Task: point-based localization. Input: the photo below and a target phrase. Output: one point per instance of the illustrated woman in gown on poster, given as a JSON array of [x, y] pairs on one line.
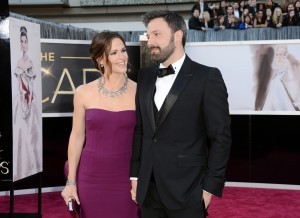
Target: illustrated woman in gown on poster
[[99, 149], [281, 92], [26, 120]]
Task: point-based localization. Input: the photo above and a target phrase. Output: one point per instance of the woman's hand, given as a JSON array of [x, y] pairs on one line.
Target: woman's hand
[[70, 191]]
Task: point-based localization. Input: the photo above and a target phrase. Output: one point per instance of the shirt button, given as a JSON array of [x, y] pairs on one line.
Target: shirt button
[[155, 140]]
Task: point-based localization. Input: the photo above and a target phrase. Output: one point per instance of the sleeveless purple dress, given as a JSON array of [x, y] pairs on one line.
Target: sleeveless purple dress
[[103, 172]]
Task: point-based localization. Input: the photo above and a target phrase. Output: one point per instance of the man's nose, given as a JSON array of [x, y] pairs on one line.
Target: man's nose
[[150, 41]]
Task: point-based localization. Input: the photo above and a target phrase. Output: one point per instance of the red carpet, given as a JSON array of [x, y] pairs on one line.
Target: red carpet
[[236, 203]]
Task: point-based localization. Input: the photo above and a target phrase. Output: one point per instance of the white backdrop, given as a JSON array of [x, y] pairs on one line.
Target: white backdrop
[[236, 61]]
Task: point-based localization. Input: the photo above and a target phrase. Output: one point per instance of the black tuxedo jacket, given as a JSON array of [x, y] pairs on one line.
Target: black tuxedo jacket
[[188, 148]]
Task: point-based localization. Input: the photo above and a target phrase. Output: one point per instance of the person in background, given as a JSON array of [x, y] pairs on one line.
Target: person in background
[[194, 21], [271, 4], [182, 137], [206, 21], [297, 12], [202, 6], [100, 149], [245, 13], [219, 25], [252, 7], [284, 5], [277, 18], [236, 10], [290, 7], [269, 17], [214, 8], [251, 16], [297, 8], [246, 24], [290, 19], [261, 7], [242, 6], [222, 9], [230, 21], [260, 20]]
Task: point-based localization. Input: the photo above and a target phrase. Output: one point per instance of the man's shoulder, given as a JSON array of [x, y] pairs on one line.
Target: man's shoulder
[[200, 66]]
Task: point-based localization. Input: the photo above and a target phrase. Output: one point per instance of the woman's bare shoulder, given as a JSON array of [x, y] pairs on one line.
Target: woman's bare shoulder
[[131, 83]]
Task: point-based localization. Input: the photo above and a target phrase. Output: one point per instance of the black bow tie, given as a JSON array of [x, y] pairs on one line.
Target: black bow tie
[[165, 71]]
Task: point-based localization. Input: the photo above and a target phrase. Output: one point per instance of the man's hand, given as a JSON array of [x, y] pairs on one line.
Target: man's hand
[[133, 190], [207, 198]]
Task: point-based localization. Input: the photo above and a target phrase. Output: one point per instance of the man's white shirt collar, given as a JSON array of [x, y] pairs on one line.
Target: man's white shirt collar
[[164, 84]]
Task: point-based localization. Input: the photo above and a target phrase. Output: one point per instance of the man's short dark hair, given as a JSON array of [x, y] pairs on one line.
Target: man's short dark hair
[[173, 19]]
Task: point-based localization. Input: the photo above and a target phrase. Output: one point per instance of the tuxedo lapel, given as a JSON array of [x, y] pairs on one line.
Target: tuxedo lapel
[[149, 96], [183, 77]]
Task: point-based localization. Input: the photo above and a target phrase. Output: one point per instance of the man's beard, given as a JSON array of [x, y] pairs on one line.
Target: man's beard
[[164, 53]]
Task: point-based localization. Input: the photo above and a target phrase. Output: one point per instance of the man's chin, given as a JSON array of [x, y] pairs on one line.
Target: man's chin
[[155, 58]]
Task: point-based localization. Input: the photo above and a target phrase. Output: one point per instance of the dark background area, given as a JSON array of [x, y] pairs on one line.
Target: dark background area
[[265, 149]]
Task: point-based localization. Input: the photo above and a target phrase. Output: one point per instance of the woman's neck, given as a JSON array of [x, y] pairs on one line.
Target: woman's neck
[[114, 81]]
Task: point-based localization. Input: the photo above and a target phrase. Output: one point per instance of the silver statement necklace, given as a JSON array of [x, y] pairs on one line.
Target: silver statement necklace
[[111, 94]]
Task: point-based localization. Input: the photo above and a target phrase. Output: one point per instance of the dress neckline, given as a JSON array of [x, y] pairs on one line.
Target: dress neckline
[[109, 110]]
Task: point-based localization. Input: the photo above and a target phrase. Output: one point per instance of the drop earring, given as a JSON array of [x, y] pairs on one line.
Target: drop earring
[[102, 68]]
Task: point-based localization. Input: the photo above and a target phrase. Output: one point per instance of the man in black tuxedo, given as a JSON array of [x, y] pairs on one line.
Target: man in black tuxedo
[[182, 137]]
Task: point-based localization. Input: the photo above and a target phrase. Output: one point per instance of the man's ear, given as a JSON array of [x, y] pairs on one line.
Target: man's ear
[[178, 35]]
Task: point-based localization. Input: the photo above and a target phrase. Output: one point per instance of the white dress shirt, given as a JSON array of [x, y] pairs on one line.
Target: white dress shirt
[[164, 84]]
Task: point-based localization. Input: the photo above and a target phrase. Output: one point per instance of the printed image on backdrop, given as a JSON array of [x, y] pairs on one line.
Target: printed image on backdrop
[[26, 98], [66, 64], [260, 78]]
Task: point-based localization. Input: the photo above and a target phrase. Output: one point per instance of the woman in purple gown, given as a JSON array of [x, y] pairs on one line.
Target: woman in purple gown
[[99, 149]]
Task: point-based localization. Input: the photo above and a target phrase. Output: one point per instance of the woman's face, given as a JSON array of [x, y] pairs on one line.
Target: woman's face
[[24, 43], [223, 4], [260, 14], [247, 20], [297, 5], [118, 57], [281, 53], [269, 2], [278, 12], [269, 12], [246, 11], [290, 7], [222, 20]]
